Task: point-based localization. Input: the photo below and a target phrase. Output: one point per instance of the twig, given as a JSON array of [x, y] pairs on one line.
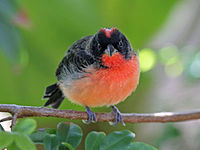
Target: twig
[[14, 120], [28, 111]]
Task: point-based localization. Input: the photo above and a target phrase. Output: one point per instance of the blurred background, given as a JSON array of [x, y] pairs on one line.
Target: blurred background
[[34, 36]]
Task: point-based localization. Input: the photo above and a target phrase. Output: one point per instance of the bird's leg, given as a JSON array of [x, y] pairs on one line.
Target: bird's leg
[[91, 115], [118, 116]]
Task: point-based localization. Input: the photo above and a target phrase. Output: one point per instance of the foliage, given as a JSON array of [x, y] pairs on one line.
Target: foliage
[[19, 137], [67, 136]]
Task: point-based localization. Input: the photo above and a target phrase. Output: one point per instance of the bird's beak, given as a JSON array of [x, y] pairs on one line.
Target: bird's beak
[[110, 50]]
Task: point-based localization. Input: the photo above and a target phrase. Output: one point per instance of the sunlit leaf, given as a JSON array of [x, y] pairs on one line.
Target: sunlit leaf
[[6, 139], [23, 142], [13, 146], [26, 126]]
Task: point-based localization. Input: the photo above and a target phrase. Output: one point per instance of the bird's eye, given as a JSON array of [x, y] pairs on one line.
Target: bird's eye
[[120, 44], [99, 46]]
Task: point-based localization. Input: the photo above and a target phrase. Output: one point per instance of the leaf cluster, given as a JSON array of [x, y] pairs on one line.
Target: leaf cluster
[[67, 136]]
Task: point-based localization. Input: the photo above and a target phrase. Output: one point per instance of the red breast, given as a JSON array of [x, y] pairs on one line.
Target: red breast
[[106, 86]]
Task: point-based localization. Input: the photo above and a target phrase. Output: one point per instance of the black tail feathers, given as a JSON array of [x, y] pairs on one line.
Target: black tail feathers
[[54, 96]]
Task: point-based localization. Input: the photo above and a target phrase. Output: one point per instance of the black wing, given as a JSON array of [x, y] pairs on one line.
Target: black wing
[[76, 60]]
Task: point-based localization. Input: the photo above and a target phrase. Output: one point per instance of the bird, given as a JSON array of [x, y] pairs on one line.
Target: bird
[[97, 70]]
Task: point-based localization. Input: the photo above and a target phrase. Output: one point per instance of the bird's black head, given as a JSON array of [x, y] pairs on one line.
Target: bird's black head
[[110, 41]]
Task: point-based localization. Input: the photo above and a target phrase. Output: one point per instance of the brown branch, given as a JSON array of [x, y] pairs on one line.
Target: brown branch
[[28, 111]]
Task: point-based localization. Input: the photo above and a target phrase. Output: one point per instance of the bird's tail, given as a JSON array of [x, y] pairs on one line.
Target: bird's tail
[[54, 96]]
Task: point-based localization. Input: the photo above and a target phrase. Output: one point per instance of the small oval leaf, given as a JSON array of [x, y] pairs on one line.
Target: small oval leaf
[[37, 137], [117, 140], [69, 133], [51, 142], [26, 126], [23, 142], [140, 146], [93, 140], [6, 139]]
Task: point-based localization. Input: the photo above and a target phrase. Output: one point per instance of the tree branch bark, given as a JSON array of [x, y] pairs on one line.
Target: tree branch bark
[[163, 117]]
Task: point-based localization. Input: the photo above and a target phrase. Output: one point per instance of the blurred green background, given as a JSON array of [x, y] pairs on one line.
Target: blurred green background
[[34, 36]]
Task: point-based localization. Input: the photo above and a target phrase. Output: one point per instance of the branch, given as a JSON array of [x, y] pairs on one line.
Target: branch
[[28, 111]]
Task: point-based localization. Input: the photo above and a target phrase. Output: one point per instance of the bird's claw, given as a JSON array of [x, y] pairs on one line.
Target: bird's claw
[[118, 116], [91, 116]]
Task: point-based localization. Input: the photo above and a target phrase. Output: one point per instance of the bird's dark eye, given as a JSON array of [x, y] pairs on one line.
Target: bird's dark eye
[[120, 44]]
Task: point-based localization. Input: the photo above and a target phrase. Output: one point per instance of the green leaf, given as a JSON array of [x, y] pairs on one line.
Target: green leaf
[[1, 128], [13, 146], [69, 133], [23, 142], [93, 140], [38, 136], [140, 146], [117, 140], [26, 126], [65, 146], [50, 131], [51, 142], [6, 139]]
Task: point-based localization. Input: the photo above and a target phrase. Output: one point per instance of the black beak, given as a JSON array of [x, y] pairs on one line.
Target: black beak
[[110, 50]]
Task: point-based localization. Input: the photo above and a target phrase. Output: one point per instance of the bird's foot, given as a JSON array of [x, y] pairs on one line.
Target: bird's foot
[[118, 116], [91, 116]]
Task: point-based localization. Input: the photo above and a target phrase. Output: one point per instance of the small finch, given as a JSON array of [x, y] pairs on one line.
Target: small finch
[[97, 70]]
